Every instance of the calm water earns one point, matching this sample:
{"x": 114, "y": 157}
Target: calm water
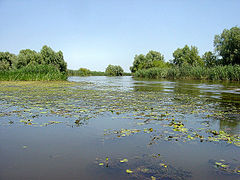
{"x": 83, "y": 129}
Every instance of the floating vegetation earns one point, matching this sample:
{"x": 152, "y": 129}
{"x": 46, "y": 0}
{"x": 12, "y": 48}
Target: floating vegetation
{"x": 129, "y": 171}
{"x": 223, "y": 136}
{"x": 155, "y": 117}
{"x": 146, "y": 168}
{"x": 124, "y": 160}
{"x": 124, "y": 132}
{"x": 222, "y": 166}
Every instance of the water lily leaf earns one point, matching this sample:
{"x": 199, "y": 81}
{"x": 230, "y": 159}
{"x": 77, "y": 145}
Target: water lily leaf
{"x": 163, "y": 165}
{"x": 153, "y": 178}
{"x": 124, "y": 160}
{"x": 190, "y": 137}
{"x": 218, "y": 163}
{"x": 224, "y": 165}
{"x": 129, "y": 171}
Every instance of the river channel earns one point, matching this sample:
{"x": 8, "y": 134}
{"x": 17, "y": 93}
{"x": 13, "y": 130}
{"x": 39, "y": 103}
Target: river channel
{"x": 100, "y": 128}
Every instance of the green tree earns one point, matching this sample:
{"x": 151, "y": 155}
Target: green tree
{"x": 51, "y": 57}
{"x": 227, "y": 45}
{"x": 112, "y": 70}
{"x": 27, "y": 56}
{"x": 209, "y": 59}
{"x": 62, "y": 65}
{"x": 187, "y": 55}
{"x": 152, "y": 59}
{"x": 84, "y": 71}
{"x": 138, "y": 60}
{"x": 7, "y": 61}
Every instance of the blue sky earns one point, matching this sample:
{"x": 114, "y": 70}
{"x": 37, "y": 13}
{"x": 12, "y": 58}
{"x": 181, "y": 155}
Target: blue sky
{"x": 95, "y": 33}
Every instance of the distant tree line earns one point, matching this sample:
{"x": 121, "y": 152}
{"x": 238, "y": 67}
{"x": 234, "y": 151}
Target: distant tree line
{"x": 226, "y": 53}
{"x": 28, "y": 57}
{"x": 111, "y": 70}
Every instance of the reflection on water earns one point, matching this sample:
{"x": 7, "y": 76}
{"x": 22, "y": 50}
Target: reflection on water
{"x": 84, "y": 129}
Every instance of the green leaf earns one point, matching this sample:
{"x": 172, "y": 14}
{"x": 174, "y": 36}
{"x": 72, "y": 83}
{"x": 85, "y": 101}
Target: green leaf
{"x": 129, "y": 171}
{"x": 124, "y": 160}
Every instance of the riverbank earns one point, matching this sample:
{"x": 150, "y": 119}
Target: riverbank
{"x": 33, "y": 73}
{"x": 216, "y": 73}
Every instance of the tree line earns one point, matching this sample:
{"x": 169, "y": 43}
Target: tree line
{"x": 226, "y": 53}
{"x": 28, "y": 57}
{"x": 111, "y": 70}
{"x": 223, "y": 63}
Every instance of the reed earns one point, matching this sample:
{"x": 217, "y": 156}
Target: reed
{"x": 33, "y": 73}
{"x": 229, "y": 72}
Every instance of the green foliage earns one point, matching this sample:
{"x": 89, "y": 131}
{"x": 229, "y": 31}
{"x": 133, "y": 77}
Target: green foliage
{"x": 80, "y": 72}
{"x": 187, "y": 55}
{"x": 32, "y": 72}
{"x": 54, "y": 58}
{"x": 28, "y": 56}
{"x": 187, "y": 64}
{"x": 31, "y": 65}
{"x": 112, "y": 70}
{"x": 7, "y": 61}
{"x": 209, "y": 59}
{"x": 152, "y": 59}
{"x": 227, "y": 45}
{"x": 152, "y": 73}
{"x": 97, "y": 73}
{"x": 228, "y": 72}
{"x": 85, "y": 71}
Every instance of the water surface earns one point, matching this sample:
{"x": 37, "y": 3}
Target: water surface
{"x": 101, "y": 127}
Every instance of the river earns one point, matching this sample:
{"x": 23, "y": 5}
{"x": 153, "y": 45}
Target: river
{"x": 100, "y": 127}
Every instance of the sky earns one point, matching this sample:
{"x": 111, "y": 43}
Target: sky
{"x": 95, "y": 33}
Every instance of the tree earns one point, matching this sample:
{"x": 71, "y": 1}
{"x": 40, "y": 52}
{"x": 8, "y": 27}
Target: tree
{"x": 112, "y": 70}
{"x": 227, "y": 45}
{"x": 152, "y": 59}
{"x": 62, "y": 65}
{"x": 7, "y": 61}
{"x": 187, "y": 55}
{"x": 53, "y": 58}
{"x": 209, "y": 59}
{"x": 27, "y": 56}
{"x": 84, "y": 71}
{"x": 138, "y": 60}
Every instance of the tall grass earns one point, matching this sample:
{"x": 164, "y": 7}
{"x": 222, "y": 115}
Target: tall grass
{"x": 33, "y": 73}
{"x": 230, "y": 72}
